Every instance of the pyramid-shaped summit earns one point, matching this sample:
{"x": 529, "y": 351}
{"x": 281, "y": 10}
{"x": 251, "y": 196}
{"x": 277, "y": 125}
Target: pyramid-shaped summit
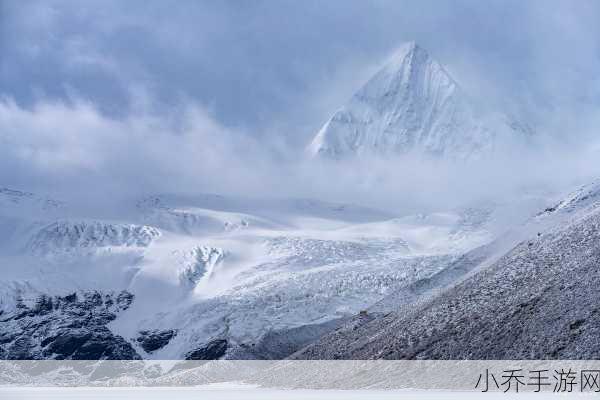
{"x": 411, "y": 104}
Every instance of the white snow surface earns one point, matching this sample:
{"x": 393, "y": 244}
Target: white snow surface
{"x": 412, "y": 105}
{"x": 211, "y": 266}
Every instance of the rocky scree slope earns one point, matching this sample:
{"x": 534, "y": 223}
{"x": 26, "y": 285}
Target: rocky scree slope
{"x": 539, "y": 301}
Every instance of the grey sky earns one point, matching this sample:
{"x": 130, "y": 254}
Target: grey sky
{"x": 82, "y": 80}
{"x": 285, "y": 65}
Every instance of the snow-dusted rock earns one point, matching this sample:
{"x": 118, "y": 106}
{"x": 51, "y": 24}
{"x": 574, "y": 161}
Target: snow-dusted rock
{"x": 199, "y": 263}
{"x": 73, "y": 235}
{"x": 71, "y": 327}
{"x": 584, "y": 197}
{"x": 538, "y": 301}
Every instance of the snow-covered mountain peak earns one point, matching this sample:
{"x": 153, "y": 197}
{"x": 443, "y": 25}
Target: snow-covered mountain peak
{"x": 412, "y": 104}
{"x": 405, "y": 69}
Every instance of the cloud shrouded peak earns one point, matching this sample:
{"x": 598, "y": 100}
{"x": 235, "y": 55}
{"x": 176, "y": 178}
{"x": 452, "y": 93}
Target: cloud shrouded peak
{"x": 218, "y": 96}
{"x": 412, "y": 104}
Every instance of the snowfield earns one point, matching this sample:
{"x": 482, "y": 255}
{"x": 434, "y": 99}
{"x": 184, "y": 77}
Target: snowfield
{"x": 219, "y": 276}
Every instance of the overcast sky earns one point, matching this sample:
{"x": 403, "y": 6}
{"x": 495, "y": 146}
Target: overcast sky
{"x": 76, "y": 77}
{"x": 265, "y": 64}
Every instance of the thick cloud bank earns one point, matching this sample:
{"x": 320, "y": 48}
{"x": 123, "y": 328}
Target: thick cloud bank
{"x": 75, "y": 150}
{"x": 223, "y": 97}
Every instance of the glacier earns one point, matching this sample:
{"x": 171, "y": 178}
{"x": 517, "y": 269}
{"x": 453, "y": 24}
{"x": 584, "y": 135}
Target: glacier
{"x": 210, "y": 276}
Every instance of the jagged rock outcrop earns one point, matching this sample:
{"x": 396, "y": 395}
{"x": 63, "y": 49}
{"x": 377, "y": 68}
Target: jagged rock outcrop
{"x": 71, "y": 327}
{"x": 154, "y": 340}
{"x": 213, "y": 350}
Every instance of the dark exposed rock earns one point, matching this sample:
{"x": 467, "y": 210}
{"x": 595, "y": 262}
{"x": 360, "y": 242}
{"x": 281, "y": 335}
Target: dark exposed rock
{"x": 278, "y": 344}
{"x": 214, "y": 350}
{"x": 155, "y": 340}
{"x": 66, "y": 327}
{"x": 124, "y": 300}
{"x": 43, "y": 305}
{"x": 20, "y": 348}
{"x": 70, "y": 298}
{"x": 576, "y": 324}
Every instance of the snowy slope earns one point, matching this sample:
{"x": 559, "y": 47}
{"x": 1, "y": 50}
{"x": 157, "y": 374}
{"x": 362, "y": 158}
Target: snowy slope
{"x": 294, "y": 264}
{"x": 411, "y": 105}
{"x": 538, "y": 300}
{"x": 209, "y": 276}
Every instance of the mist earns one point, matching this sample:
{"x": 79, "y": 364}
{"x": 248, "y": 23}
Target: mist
{"x": 113, "y": 100}
{"x": 75, "y": 152}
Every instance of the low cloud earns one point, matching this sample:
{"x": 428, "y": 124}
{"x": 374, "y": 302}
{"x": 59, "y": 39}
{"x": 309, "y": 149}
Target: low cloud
{"x": 139, "y": 97}
{"x": 60, "y": 146}
{"x": 74, "y": 151}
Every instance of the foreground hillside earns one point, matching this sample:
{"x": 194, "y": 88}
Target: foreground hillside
{"x": 538, "y": 301}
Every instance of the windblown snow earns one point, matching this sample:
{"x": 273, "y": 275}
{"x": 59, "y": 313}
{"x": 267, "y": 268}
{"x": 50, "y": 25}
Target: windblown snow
{"x": 212, "y": 276}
